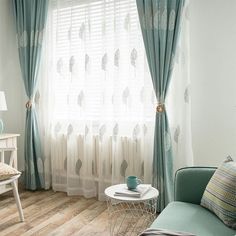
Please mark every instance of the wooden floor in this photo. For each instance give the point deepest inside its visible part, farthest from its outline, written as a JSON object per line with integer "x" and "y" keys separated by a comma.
{"x": 50, "y": 213}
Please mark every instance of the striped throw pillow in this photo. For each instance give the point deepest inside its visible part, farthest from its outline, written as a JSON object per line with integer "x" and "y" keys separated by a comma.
{"x": 220, "y": 193}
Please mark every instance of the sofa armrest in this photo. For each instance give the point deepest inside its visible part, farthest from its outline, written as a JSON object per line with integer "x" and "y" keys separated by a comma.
{"x": 190, "y": 183}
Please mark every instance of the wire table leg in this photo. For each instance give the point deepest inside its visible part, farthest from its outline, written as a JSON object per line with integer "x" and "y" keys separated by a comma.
{"x": 130, "y": 218}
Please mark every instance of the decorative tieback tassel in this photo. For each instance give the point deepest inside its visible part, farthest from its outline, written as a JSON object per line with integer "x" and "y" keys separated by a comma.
{"x": 29, "y": 104}
{"x": 160, "y": 108}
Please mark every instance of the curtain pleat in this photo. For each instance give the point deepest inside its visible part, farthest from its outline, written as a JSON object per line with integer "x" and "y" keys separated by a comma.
{"x": 160, "y": 24}
{"x": 30, "y": 17}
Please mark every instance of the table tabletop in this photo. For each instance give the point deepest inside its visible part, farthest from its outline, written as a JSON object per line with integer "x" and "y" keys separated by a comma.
{"x": 110, "y": 191}
{"x": 5, "y": 136}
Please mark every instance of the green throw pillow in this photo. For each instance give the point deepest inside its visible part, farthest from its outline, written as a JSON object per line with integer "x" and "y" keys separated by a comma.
{"x": 220, "y": 193}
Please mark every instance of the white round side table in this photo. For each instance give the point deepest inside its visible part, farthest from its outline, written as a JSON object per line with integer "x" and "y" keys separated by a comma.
{"x": 129, "y": 215}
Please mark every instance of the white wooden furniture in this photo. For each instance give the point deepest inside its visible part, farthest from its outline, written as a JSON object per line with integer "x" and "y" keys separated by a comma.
{"x": 8, "y": 143}
{"x": 128, "y": 215}
{"x": 13, "y": 182}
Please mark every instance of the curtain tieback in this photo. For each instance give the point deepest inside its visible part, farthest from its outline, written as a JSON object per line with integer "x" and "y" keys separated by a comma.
{"x": 29, "y": 104}
{"x": 160, "y": 108}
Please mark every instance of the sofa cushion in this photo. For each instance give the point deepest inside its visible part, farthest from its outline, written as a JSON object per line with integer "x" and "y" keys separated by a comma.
{"x": 220, "y": 194}
{"x": 192, "y": 218}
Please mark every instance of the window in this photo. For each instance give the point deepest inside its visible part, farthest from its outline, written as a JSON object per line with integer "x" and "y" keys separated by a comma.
{"x": 99, "y": 66}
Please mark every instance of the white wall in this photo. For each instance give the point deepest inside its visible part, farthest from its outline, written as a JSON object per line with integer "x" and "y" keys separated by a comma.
{"x": 213, "y": 76}
{"x": 10, "y": 78}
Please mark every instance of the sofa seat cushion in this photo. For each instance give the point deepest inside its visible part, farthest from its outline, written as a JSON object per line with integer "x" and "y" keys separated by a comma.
{"x": 192, "y": 218}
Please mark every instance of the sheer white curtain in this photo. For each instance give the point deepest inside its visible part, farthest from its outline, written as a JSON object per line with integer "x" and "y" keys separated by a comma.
{"x": 179, "y": 99}
{"x": 96, "y": 101}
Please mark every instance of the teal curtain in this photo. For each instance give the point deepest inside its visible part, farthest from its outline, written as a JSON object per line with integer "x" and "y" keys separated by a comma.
{"x": 160, "y": 24}
{"x": 30, "y": 17}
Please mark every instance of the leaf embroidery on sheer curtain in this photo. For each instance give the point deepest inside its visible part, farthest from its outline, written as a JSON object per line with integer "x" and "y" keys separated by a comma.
{"x": 96, "y": 106}
{"x": 179, "y": 99}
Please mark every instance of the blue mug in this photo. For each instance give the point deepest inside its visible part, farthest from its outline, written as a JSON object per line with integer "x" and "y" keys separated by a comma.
{"x": 132, "y": 182}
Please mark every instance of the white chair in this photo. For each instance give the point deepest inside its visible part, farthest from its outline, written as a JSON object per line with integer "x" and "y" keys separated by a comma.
{"x": 13, "y": 181}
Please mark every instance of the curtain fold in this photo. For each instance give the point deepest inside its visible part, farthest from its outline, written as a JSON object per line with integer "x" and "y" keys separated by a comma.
{"x": 30, "y": 17}
{"x": 178, "y": 101}
{"x": 160, "y": 24}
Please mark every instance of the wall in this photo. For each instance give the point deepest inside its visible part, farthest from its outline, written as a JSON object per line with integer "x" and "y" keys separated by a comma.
{"x": 10, "y": 78}
{"x": 213, "y": 76}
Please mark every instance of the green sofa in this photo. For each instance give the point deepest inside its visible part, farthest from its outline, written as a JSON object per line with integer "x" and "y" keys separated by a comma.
{"x": 185, "y": 213}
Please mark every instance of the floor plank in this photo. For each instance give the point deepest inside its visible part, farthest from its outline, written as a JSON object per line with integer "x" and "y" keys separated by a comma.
{"x": 80, "y": 220}
{"x": 61, "y": 217}
{"x": 99, "y": 226}
{"x": 52, "y": 213}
